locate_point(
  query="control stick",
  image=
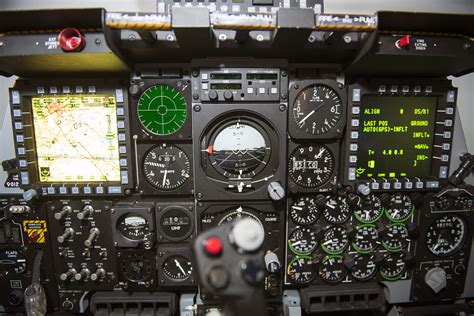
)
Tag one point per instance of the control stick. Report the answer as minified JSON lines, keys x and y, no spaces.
{"x":464,"y":169}
{"x":230,"y":265}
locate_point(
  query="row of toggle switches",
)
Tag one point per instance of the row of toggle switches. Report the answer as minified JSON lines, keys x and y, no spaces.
{"x":84,"y":275}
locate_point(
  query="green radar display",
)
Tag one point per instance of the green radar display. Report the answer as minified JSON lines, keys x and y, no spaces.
{"x":162,"y":110}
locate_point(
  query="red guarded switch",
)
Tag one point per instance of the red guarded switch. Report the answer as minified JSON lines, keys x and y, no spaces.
{"x":213,"y":246}
{"x":403,"y":42}
{"x":71,"y":40}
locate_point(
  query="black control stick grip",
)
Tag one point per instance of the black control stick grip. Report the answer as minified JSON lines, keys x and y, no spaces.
{"x":464,"y":169}
{"x":230,"y":265}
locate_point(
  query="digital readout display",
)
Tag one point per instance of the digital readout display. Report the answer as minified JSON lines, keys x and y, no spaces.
{"x":226,"y":86}
{"x":260,"y":76}
{"x":396,"y":136}
{"x":76,"y":138}
{"x":226,"y":76}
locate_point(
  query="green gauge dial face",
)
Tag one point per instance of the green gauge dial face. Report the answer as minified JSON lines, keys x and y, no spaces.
{"x":162,"y":110}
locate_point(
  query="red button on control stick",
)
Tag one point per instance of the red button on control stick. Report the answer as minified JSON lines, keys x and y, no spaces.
{"x":213,"y":246}
{"x":71,"y":40}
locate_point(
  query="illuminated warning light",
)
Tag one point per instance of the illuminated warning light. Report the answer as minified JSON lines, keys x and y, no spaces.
{"x":381,"y":174}
{"x":391,"y":175}
{"x":71,"y":40}
{"x":371,"y":152}
{"x":371,"y":164}
{"x":369,"y":174}
{"x":360,"y":170}
{"x":403,"y":174}
{"x":401,"y":111}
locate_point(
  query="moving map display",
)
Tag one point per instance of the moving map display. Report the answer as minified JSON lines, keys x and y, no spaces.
{"x":76,"y":138}
{"x":396,"y":136}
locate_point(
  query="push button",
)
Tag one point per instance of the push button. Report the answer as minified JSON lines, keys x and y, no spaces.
{"x":213,"y":246}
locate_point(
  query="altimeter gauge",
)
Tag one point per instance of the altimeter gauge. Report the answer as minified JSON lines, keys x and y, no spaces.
{"x":317,"y":109}
{"x":166,"y":167}
{"x":311,"y":165}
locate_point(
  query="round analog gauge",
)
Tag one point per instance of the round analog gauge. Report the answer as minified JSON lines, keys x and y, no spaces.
{"x":310,"y":166}
{"x":166,"y":167}
{"x":392,"y":267}
{"x":175,"y":223}
{"x":162,"y":110}
{"x":239,"y":148}
{"x":301,"y":270}
{"x":369,"y":209}
{"x":366,"y":238}
{"x":337,"y":210}
{"x":364,"y":267}
{"x":12,"y":263}
{"x":136,"y":267}
{"x":317,"y":109}
{"x":332,"y":269}
{"x":303,"y":240}
{"x":400,"y":208}
{"x":443,"y":202}
{"x":133,"y":226}
{"x":304,"y":211}
{"x":335,"y":240}
{"x":177,"y":267}
{"x":396,"y":238}
{"x":446,"y":235}
{"x":240,"y":213}
{"x":463,"y":202}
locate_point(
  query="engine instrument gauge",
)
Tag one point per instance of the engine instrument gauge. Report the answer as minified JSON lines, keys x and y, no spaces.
{"x":400,"y":208}
{"x":133,"y":226}
{"x":366,"y":238}
{"x":166,"y":167}
{"x":240,"y":148}
{"x":396,"y":237}
{"x":337,"y":210}
{"x":392,"y":267}
{"x":304,"y":211}
{"x":317,"y":109}
{"x":332,"y":269}
{"x":444,"y":202}
{"x":446,"y":235}
{"x":364,"y":267}
{"x":303,"y":240}
{"x":311,"y":165}
{"x":463,"y":202}
{"x":301,"y":270}
{"x":175,"y":223}
{"x":136,"y":267}
{"x":177,"y":267}
{"x":12,"y":263}
{"x":369,"y":209}
{"x":335,"y":240}
{"x":162,"y":110}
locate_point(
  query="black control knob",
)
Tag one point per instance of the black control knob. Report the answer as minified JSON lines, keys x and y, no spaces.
{"x":84,"y":274}
{"x":349,"y":262}
{"x":134,"y":89}
{"x":276,"y":191}
{"x":228,"y":96}
{"x":87,"y":211}
{"x":68,"y":305}
{"x":353,"y":199}
{"x":68,"y":274}
{"x":98,"y":274}
{"x":65,"y":211}
{"x":385,"y":199}
{"x":321,"y":201}
{"x":213,"y":96}
{"x":68,"y":233}
{"x":93,"y":234}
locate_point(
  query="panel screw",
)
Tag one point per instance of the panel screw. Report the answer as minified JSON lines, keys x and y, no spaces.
{"x":195,"y":73}
{"x":282,"y":107}
{"x":195,"y":96}
{"x":296,"y":86}
{"x":283,"y":73}
{"x":199,"y":195}
{"x":97,"y":41}
{"x":347,"y":39}
{"x":467,"y":46}
{"x":197,"y":108}
{"x":131,"y":37}
{"x":340,"y":86}
{"x":283,"y":96}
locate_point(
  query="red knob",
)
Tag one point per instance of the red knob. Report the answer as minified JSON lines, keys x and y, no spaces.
{"x":213,"y":246}
{"x":71,"y":40}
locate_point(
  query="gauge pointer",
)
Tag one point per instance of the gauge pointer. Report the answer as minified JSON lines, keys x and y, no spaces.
{"x":164,"y":178}
{"x":307,"y":116}
{"x":179,"y":266}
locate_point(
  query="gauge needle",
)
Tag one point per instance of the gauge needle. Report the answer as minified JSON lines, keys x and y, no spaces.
{"x":307,"y":116}
{"x":179,"y":266}
{"x":164,"y":178}
{"x":330,"y":206}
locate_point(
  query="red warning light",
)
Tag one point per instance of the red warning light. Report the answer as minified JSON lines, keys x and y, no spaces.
{"x":71,"y":40}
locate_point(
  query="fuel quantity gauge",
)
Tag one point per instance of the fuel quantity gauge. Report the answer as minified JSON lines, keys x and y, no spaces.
{"x":364,"y":267}
{"x":369,"y":209}
{"x":332,"y":269}
{"x":301,"y":270}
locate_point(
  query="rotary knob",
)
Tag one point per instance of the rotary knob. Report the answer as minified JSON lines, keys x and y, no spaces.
{"x":276,"y":191}
{"x":247,"y":235}
{"x":436,"y":279}
{"x":272,"y":264}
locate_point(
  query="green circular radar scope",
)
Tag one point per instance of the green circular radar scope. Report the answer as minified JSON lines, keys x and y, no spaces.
{"x":162,"y":110}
